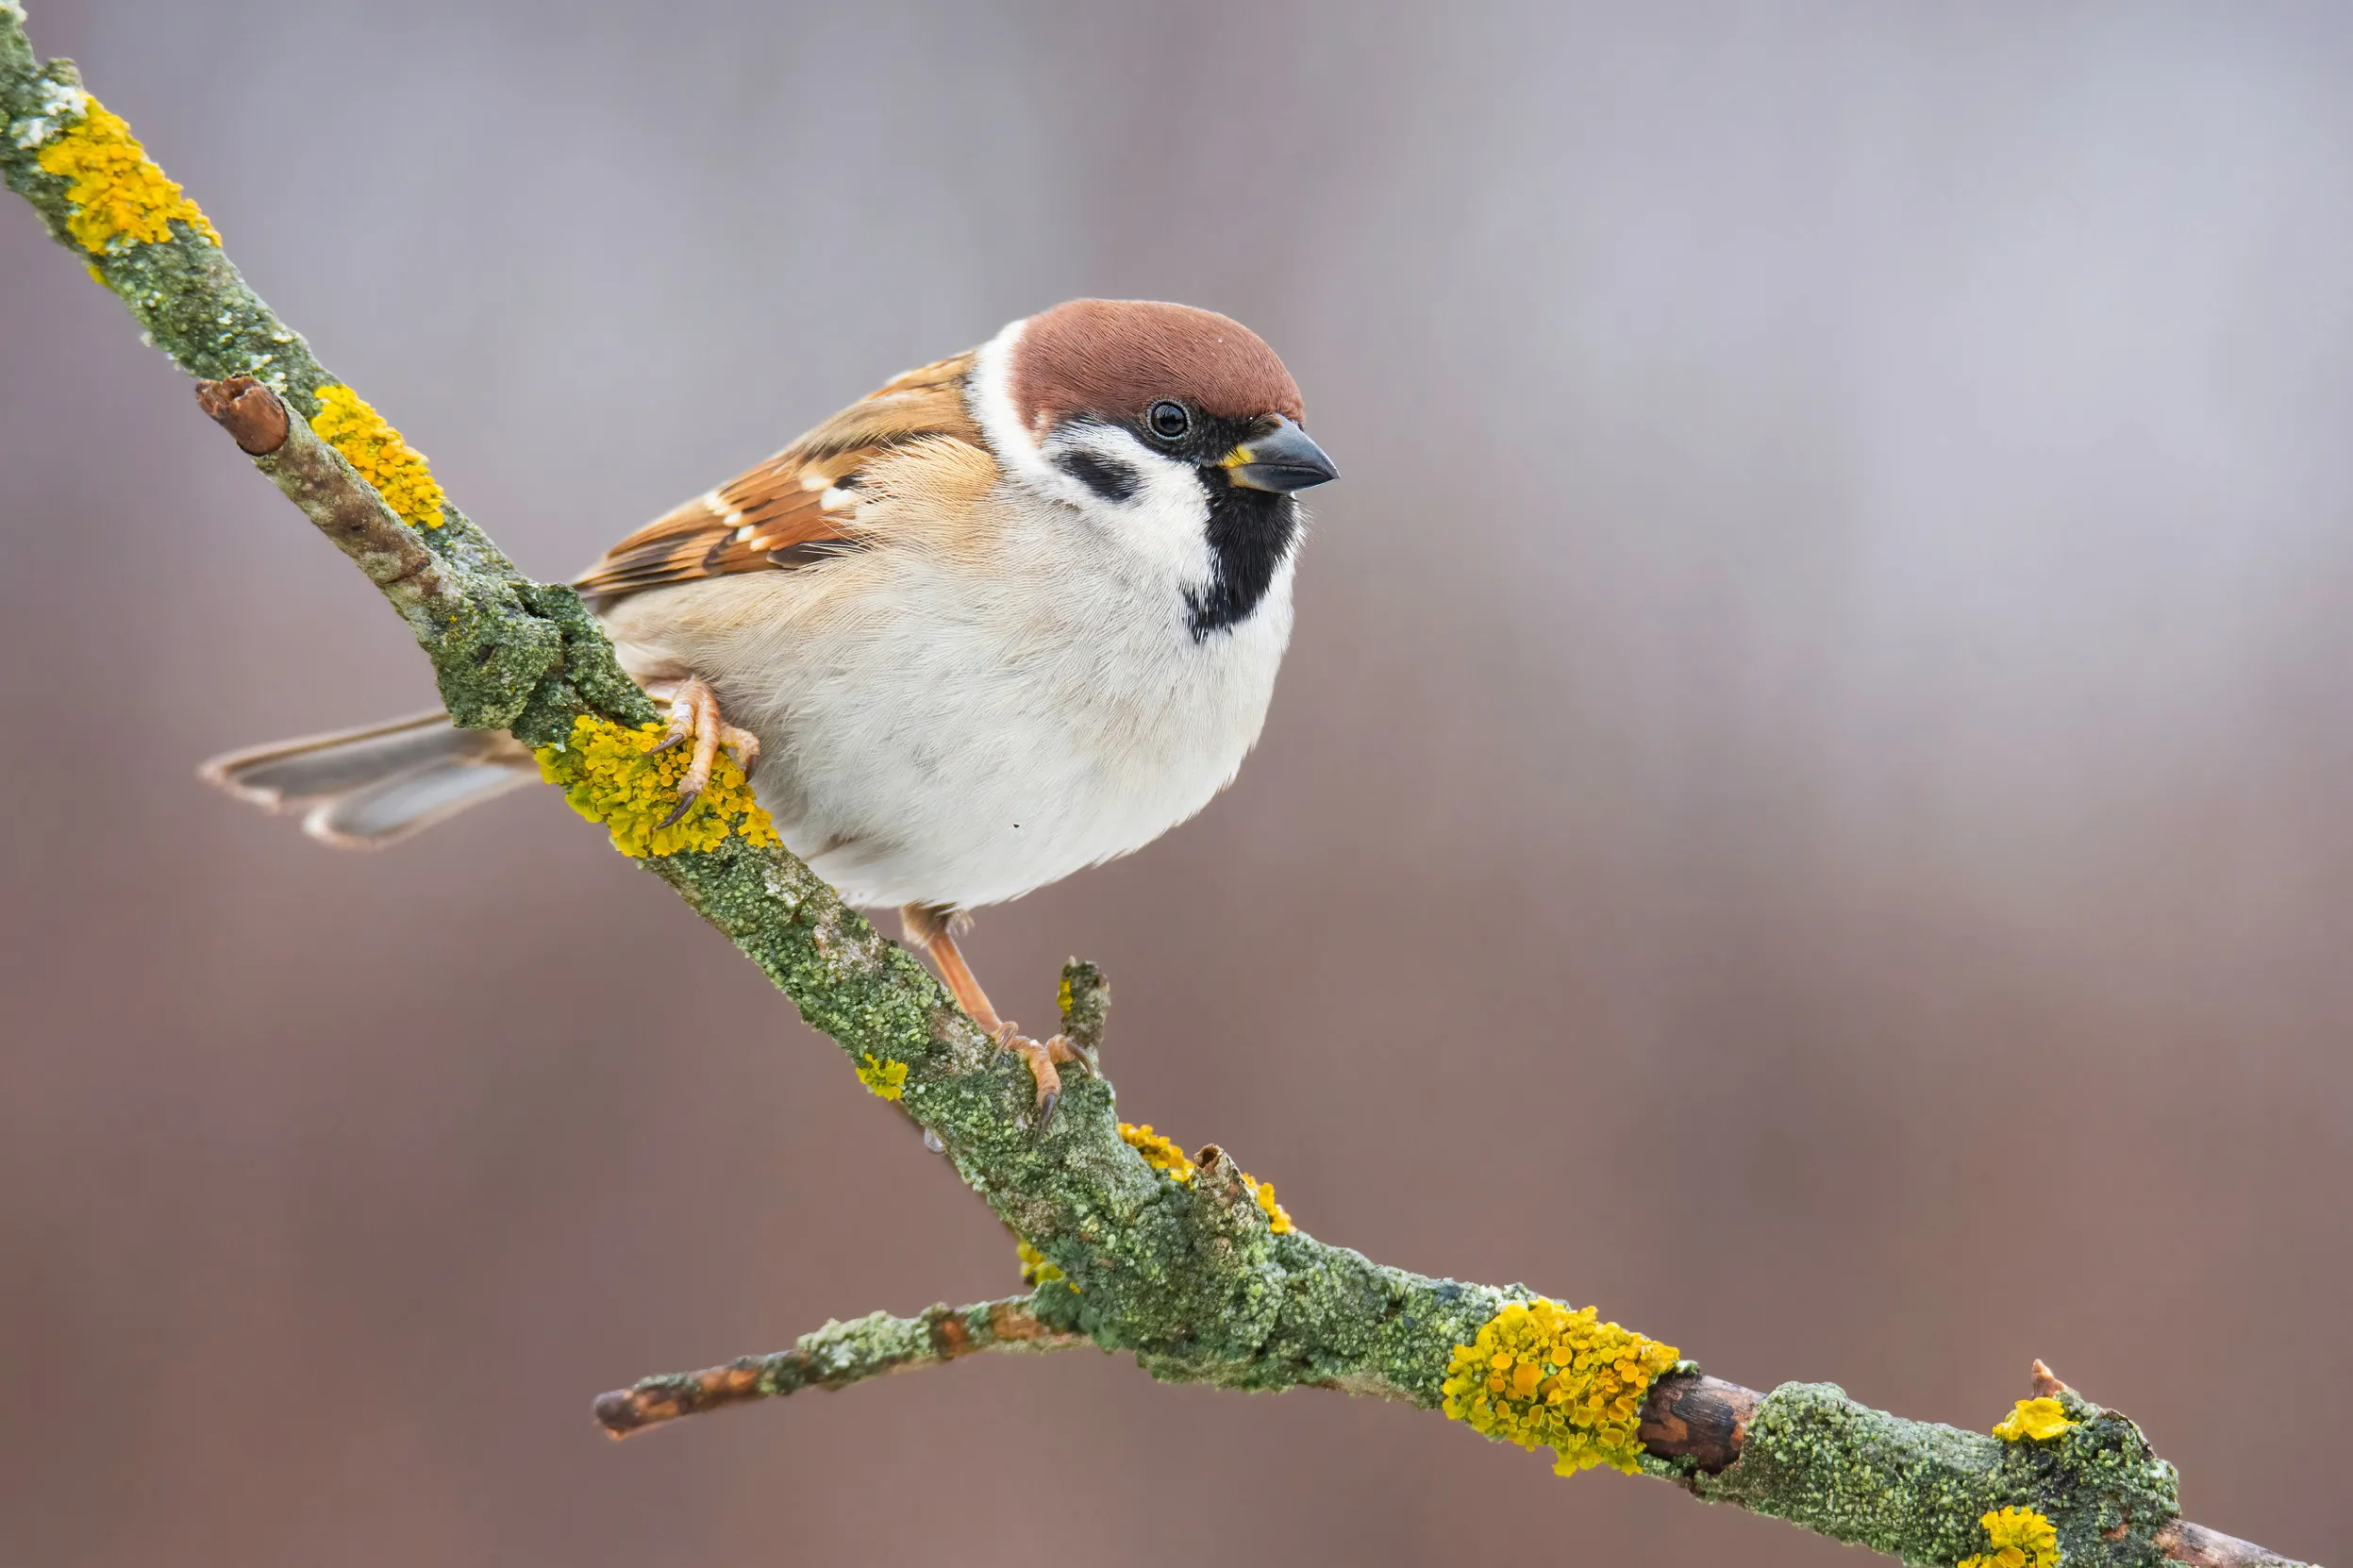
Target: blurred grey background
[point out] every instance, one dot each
(1812, 805)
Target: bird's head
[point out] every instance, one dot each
(1176, 430)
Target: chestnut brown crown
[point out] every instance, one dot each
(1114, 357)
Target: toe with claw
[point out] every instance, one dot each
(694, 715)
(1040, 1055)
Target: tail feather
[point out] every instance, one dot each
(362, 789)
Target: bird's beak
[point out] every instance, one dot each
(1283, 460)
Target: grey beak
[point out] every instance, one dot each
(1283, 460)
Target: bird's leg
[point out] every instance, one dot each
(928, 928)
(694, 712)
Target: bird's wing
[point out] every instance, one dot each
(797, 507)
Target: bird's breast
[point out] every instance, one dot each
(967, 749)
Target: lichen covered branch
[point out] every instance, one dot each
(835, 1357)
(1185, 1262)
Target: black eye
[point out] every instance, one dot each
(1169, 421)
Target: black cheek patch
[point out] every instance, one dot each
(1109, 477)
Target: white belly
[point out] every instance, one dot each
(935, 735)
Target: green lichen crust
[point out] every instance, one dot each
(1916, 1491)
(1190, 1278)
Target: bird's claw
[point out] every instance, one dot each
(1040, 1056)
(694, 715)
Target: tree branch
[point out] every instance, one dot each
(1188, 1266)
(837, 1356)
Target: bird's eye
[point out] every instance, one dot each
(1169, 421)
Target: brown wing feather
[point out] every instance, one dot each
(776, 515)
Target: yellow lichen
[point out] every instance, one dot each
(117, 192)
(1264, 1191)
(1542, 1376)
(611, 773)
(1158, 1152)
(397, 470)
(1035, 1270)
(886, 1078)
(2020, 1538)
(1062, 996)
(2039, 1419)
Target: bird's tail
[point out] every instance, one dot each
(362, 789)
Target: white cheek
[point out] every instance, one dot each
(1164, 524)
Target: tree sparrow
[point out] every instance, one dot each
(1013, 614)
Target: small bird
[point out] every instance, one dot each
(1011, 615)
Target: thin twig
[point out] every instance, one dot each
(835, 1357)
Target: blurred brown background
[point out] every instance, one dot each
(1812, 805)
